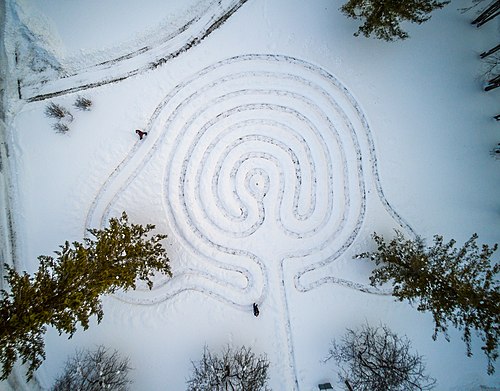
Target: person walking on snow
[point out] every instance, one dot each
(141, 133)
(256, 311)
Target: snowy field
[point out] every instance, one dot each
(277, 143)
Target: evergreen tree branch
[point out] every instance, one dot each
(66, 290)
(383, 18)
(459, 286)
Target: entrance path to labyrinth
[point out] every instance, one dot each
(267, 161)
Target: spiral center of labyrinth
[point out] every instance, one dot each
(265, 148)
(258, 183)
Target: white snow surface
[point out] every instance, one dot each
(275, 147)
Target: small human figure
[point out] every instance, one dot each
(256, 311)
(141, 133)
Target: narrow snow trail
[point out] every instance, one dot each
(260, 168)
(255, 147)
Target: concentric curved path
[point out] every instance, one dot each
(267, 159)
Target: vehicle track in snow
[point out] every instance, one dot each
(139, 61)
(268, 162)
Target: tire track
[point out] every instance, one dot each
(140, 61)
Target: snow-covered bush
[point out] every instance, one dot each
(94, 371)
(376, 359)
(82, 103)
(231, 370)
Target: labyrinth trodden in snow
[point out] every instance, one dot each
(265, 165)
(266, 159)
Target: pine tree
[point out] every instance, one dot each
(383, 17)
(67, 289)
(458, 286)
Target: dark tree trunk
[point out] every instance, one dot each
(489, 52)
(493, 83)
(492, 87)
(489, 18)
(488, 14)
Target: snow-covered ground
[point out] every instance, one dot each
(276, 145)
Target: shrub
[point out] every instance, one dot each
(60, 127)
(82, 103)
(53, 110)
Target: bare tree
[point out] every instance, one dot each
(491, 74)
(94, 371)
(491, 62)
(232, 370)
(376, 359)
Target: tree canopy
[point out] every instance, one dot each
(67, 289)
(383, 18)
(458, 286)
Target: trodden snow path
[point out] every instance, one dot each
(267, 161)
(261, 169)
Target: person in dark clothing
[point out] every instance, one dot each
(141, 134)
(256, 311)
